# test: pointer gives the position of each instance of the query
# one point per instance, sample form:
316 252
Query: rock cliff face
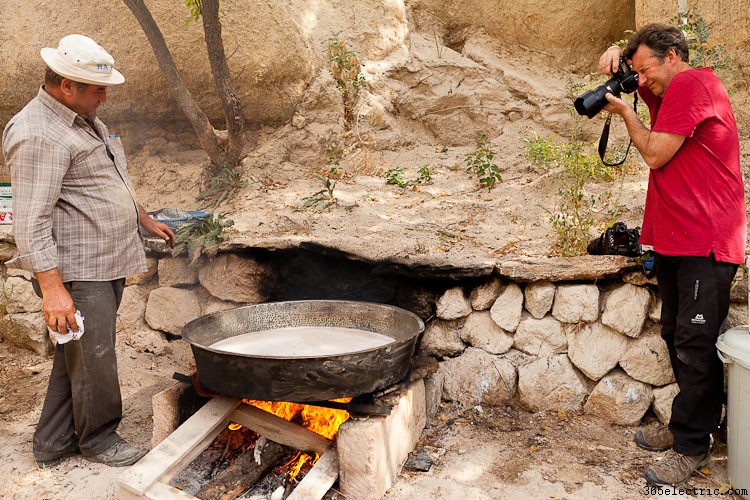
275 47
269 53
572 33
486 62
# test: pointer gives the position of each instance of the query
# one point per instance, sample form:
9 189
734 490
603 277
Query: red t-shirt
695 204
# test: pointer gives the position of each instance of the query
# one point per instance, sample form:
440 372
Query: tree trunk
220 70
200 123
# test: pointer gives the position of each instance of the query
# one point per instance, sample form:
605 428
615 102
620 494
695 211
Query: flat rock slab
587 267
457 264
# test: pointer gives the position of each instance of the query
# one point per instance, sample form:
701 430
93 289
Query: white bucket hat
81 59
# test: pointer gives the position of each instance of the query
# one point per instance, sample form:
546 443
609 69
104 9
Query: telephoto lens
591 103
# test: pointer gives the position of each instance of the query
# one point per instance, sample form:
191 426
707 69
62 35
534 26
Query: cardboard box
6 211
5 191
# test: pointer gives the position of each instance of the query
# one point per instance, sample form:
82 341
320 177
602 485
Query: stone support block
551 383
507 309
433 391
626 309
177 271
576 303
647 359
169 309
478 378
372 452
663 398
481 331
538 298
20 296
620 399
237 278
483 296
144 278
442 338
595 349
540 337
166 411
453 304
27 330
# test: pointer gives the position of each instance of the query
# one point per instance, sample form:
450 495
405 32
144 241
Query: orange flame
322 421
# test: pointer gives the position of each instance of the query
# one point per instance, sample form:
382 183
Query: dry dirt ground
452 222
501 453
490 453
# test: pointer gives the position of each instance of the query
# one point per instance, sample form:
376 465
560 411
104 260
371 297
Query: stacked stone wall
590 345
584 346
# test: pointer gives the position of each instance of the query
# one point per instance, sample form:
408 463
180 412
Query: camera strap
604 139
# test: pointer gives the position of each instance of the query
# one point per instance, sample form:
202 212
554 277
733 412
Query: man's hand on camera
609 62
616 105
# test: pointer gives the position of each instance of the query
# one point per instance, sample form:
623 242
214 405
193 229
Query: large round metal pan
303 379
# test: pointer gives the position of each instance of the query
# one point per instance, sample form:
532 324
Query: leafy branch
201 237
223 186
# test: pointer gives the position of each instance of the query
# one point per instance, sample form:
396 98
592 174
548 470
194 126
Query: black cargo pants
83 405
695 302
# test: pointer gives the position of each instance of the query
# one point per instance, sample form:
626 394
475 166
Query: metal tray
303 379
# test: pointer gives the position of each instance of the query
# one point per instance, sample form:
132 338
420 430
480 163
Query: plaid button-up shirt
74 207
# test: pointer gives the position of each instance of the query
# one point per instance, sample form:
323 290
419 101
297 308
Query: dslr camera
617 240
624 80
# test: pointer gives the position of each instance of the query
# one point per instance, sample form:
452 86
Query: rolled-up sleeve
74 207
38 166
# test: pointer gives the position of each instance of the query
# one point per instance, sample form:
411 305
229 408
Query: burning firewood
243 473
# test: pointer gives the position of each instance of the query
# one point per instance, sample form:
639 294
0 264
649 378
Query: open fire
190 461
323 421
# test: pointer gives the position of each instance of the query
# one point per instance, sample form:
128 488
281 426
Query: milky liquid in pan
302 341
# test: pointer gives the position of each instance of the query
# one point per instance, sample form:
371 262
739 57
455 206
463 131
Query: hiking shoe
675 468
51 462
119 454
654 439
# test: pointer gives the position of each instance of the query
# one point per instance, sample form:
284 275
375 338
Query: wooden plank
279 430
161 491
180 448
319 479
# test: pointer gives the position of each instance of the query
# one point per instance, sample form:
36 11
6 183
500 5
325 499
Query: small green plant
541 151
223 186
333 161
396 176
320 200
576 211
702 52
480 162
201 237
425 174
346 71
572 218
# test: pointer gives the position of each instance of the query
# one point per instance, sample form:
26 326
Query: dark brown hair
659 38
54 80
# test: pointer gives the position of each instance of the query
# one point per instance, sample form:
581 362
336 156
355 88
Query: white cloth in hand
64 338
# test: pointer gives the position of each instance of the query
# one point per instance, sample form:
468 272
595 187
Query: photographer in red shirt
695 220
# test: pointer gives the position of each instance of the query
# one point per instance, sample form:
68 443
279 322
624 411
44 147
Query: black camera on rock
617 240
591 102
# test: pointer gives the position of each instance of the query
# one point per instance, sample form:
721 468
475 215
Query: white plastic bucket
734 350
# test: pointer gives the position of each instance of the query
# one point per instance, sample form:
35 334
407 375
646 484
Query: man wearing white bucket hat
76 225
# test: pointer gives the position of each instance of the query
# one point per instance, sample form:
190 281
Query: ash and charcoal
240 464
